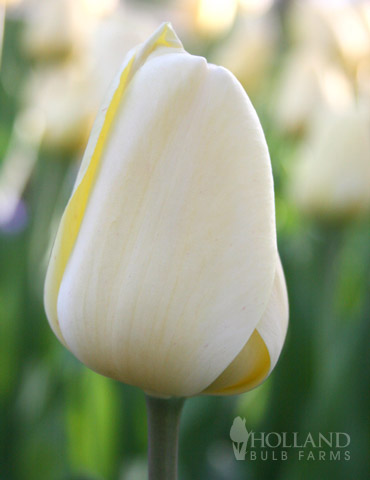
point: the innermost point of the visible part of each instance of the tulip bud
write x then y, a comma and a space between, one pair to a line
52, 29
65, 99
165, 273
249, 50
331, 180
309, 82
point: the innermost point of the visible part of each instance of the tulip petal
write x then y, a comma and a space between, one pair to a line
260, 354
74, 212
274, 322
177, 242
246, 371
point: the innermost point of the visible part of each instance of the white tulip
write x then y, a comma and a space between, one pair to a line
66, 100
215, 18
165, 272
249, 51
332, 178
309, 82
52, 28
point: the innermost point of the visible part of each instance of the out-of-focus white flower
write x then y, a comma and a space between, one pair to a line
216, 16
339, 30
308, 29
69, 93
364, 8
52, 29
309, 82
258, 7
98, 8
332, 179
249, 50
66, 101
208, 18
56, 28
363, 80
348, 24
165, 272
9, 3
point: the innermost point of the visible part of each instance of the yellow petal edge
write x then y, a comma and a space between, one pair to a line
259, 355
74, 213
254, 360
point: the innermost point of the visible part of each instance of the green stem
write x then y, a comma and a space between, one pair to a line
163, 434
325, 347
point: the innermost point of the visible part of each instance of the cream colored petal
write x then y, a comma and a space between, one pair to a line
274, 322
260, 354
246, 371
177, 244
74, 212
332, 176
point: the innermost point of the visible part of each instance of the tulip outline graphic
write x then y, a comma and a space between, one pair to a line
239, 436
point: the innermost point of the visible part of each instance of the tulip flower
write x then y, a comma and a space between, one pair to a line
332, 177
215, 18
350, 29
59, 29
64, 98
165, 272
250, 49
52, 30
309, 82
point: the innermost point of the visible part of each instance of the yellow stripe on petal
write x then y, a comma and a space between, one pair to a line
78, 202
75, 210
247, 370
167, 37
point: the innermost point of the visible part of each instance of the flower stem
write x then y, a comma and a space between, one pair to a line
163, 434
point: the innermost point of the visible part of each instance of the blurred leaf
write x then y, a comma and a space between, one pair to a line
91, 408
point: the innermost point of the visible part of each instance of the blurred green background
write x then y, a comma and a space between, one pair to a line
299, 62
